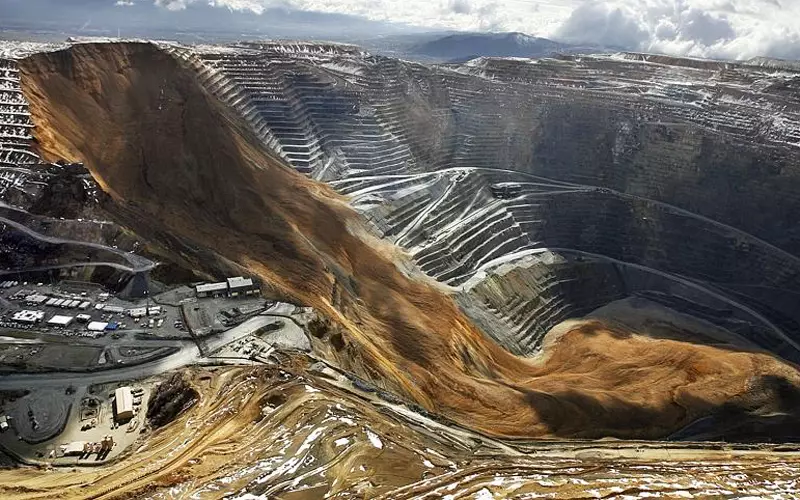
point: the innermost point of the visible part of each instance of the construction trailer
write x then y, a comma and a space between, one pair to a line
75, 448
137, 312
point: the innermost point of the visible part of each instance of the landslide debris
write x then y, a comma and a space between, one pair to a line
182, 167
170, 398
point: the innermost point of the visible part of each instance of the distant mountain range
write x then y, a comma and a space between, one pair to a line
461, 47
199, 22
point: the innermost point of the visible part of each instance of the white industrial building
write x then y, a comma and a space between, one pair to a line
97, 326
110, 309
62, 321
240, 286
140, 312
123, 404
83, 318
137, 312
232, 287
36, 299
212, 289
28, 316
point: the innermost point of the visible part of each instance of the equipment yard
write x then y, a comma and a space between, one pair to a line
69, 426
87, 359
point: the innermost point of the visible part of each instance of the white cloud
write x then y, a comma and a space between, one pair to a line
601, 24
173, 5
711, 28
125, 3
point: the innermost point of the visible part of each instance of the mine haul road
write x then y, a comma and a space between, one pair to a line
189, 354
139, 264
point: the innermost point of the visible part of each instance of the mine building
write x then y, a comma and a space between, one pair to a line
237, 286
61, 321
83, 318
36, 299
74, 449
29, 317
97, 326
109, 308
240, 286
137, 312
211, 289
123, 404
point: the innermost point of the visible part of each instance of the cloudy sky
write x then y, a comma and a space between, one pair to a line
718, 28
712, 28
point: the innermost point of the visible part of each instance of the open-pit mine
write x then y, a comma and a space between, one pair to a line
300, 270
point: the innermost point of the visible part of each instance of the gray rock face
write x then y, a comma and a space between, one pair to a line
544, 189
15, 120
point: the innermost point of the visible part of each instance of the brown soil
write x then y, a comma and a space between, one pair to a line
259, 431
177, 162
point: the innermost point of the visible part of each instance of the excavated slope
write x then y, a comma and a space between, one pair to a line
179, 163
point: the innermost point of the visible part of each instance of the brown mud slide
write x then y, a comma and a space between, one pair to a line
176, 161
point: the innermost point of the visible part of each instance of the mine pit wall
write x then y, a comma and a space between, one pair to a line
134, 116
15, 118
518, 303
693, 151
316, 129
711, 160
746, 272
715, 159
222, 191
677, 145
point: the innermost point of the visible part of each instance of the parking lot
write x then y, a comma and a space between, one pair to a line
87, 312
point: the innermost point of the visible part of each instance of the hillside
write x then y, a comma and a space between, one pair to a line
465, 46
184, 169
